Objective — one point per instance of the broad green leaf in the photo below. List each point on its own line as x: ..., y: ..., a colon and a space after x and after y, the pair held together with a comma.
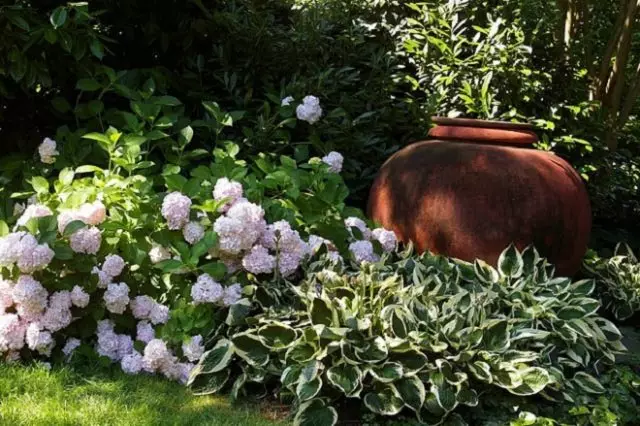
x: 217, y: 358
x: 412, y: 361
x: 73, y: 226
x: 481, y: 370
x: 345, y: 377
x: 58, y: 17
x: 384, y: 402
x: 534, y: 379
x: 4, y: 228
x: 206, y: 384
x: 88, y: 85
x: 315, y: 413
x: 217, y: 270
x: 66, y: 176
x: 307, y: 390
x: 250, y: 348
x: 411, y: 391
x: 238, y: 312
x: 468, y: 397
x: 374, y: 350
x: 588, y: 383
x: 40, y: 184
x: 496, y: 337
x: 446, y: 394
x: 277, y: 335
x: 387, y: 372
x: 510, y: 262
x: 320, y: 312
x: 485, y: 273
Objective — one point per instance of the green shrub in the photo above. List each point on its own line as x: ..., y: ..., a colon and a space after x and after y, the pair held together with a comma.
x: 423, y: 332
x: 618, y: 281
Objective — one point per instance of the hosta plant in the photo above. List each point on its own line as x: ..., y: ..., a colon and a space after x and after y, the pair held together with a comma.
x: 618, y: 281
x: 419, y: 333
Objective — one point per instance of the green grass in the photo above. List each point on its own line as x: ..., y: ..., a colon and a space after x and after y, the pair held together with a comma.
x: 65, y: 396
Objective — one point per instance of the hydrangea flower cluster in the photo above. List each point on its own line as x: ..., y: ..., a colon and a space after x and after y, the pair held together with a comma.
x: 158, y: 253
x: 145, y: 308
x: 175, y: 209
x: 33, y: 211
x: 228, y: 190
x: 112, y: 266
x: 208, y: 290
x: 362, y: 250
x: 47, y: 151
x: 334, y: 160
x: 309, y: 110
x: 91, y: 214
x: 22, y: 249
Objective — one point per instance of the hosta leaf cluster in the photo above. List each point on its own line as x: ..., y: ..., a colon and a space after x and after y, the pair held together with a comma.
x: 417, y: 334
x: 618, y: 281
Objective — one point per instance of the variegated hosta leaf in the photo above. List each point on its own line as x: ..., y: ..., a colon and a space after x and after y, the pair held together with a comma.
x: 218, y: 358
x: 485, y: 273
x: 387, y: 372
x: 205, y: 384
x: 510, y: 262
x: 412, y: 392
x: 446, y: 394
x: 468, y: 397
x: 384, y: 402
x: 507, y: 377
x: 301, y: 352
x: 347, y: 378
x: 315, y: 413
x: 277, y: 335
x: 321, y: 312
x: 308, y: 389
x: 290, y: 375
x: 432, y: 413
x: 237, y: 386
x: 412, y: 361
x: 250, y: 348
x: 496, y: 337
x: 534, y: 380
x: 374, y: 350
x: 588, y: 383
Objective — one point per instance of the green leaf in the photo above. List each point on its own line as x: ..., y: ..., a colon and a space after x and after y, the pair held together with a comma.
x: 307, y: 390
x: 534, y: 379
x: 446, y: 393
x: 167, y: 101
x: 73, y: 226
x: 216, y: 269
x: 63, y: 252
x: 4, y: 228
x: 315, y: 413
x: 510, y: 262
x: 468, y: 397
x: 496, y: 337
x: 320, y: 312
x: 206, y: 384
x: 238, y: 312
x: 412, y: 360
x: 481, y: 370
x: 217, y: 358
x: 347, y: 378
x: 485, y: 273
x: 277, y: 335
x: 384, y: 402
x: 387, y: 372
x: 88, y: 85
x: 66, y: 176
x: 588, y: 383
x: 374, y: 350
x: 40, y: 184
x: 58, y: 17
x: 169, y: 265
x: 185, y: 136
x: 412, y: 392
x: 175, y: 182
x: 250, y: 348
x: 571, y: 312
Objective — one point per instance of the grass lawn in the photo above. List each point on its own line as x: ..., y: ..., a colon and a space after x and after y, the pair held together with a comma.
x: 66, y: 396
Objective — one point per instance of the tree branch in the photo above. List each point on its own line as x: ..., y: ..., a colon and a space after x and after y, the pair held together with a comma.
x: 605, y: 66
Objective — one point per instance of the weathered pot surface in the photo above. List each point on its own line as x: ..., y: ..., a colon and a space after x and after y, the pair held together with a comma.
x: 476, y: 188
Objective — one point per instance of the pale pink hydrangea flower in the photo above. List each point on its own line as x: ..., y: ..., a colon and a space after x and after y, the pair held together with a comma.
x: 79, y: 297
x: 193, y: 232
x: 285, y: 238
x: 30, y: 297
x: 241, y: 227
x: 232, y: 295
x: 194, y: 348
x: 12, y: 332
x: 229, y: 190
x: 309, y: 110
x: 206, y: 290
x: 11, y: 247
x: 175, y: 209
x: 259, y: 261
x: 34, y: 211
x: 38, y: 340
x: 387, y: 238
x: 108, y: 344
x: 64, y: 218
x: 58, y: 314
x: 157, y: 356
x: 92, y: 213
x: 86, y: 240
x: 334, y: 160
x: 145, y: 332
x: 158, y: 253
x: 47, y: 151
x: 116, y: 297
x: 132, y: 363
x: 363, y: 251
x: 70, y: 346
x: 34, y: 259
x: 6, y: 298
x: 354, y: 222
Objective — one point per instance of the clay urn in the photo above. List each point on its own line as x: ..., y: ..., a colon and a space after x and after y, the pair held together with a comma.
x: 478, y: 186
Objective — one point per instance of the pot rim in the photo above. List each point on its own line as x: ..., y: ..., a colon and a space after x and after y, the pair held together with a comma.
x: 484, y: 124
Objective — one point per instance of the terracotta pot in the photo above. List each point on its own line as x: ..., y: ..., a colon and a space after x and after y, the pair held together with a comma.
x: 479, y: 186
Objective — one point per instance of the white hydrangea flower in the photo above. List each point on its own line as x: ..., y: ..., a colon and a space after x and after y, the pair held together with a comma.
x: 38, y: 340
x: 113, y: 265
x: 11, y: 247
x: 159, y: 314
x: 193, y: 349
x: 141, y: 306
x: 206, y: 290
x: 116, y: 297
x: 387, y: 238
x: 232, y: 295
x: 145, y: 332
x: 363, y: 251
x: 309, y: 110
x: 79, y: 297
x: 288, y: 263
x: 193, y: 232
x: 157, y: 356
x: 92, y: 213
x: 175, y: 209
x: 86, y: 240
x: 334, y: 160
x: 287, y: 101
x: 47, y: 151
x: 70, y: 346
x: 259, y: 261
x: 58, y: 315
x: 354, y: 222
x: 132, y: 363
x: 34, y: 258
x: 34, y: 211
x: 103, y: 278
x: 229, y: 190
x: 158, y: 253
x: 12, y: 333
x: 315, y: 242
x: 6, y: 298
x: 30, y: 297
